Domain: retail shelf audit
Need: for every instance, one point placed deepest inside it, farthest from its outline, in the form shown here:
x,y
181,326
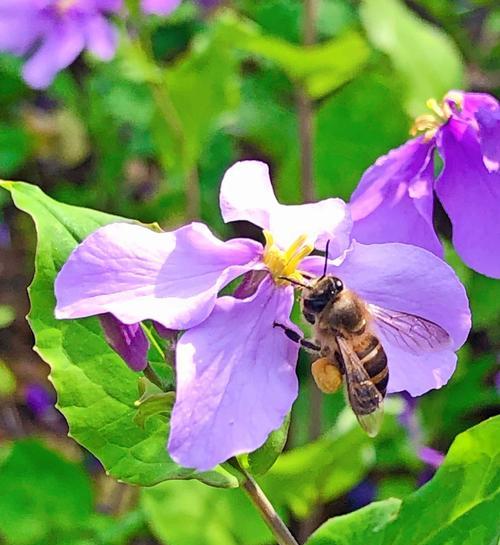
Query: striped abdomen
x,y
372,356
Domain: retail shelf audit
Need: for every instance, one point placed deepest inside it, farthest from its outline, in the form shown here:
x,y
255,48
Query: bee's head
x,y
315,298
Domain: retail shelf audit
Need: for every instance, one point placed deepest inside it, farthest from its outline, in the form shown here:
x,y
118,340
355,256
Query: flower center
x,y
428,124
284,263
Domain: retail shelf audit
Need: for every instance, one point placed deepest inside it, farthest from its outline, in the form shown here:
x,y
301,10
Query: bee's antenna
x,y
293,281
326,259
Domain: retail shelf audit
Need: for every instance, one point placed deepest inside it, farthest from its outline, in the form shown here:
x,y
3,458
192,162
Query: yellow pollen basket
x,y
284,263
428,124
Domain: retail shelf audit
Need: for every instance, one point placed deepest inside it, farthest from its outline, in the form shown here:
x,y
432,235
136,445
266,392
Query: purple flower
x,y
55,32
159,7
394,199
39,400
235,372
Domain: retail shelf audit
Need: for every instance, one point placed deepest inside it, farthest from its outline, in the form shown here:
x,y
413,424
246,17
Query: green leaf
x,y
426,58
153,404
261,460
45,498
15,147
483,291
96,390
7,381
459,506
203,87
321,68
359,527
7,316
187,513
320,471
353,128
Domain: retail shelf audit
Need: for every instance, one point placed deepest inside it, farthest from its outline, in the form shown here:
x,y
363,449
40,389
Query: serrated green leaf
x,y
96,390
459,506
261,460
425,57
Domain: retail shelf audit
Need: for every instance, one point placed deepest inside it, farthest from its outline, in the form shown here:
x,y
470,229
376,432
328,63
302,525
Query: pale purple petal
x,y
408,279
137,274
101,37
60,47
236,379
470,195
159,7
129,341
247,194
394,199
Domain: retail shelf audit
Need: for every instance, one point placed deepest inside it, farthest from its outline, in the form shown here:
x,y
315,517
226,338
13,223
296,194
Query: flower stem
x,y
265,508
305,110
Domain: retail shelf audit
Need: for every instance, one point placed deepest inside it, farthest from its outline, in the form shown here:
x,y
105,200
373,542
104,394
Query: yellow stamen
x,y
284,263
428,124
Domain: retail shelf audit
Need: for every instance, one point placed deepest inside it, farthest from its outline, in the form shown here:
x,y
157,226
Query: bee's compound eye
x,y
339,285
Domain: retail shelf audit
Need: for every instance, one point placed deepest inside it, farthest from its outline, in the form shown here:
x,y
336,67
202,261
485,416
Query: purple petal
x,y
470,195
128,340
101,37
470,104
247,194
138,274
60,47
20,27
394,199
482,113
489,136
431,456
236,379
159,7
110,6
412,280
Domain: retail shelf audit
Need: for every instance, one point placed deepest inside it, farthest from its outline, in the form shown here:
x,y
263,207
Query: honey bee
x,y
346,339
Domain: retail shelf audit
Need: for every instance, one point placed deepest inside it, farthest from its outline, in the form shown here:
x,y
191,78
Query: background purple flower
x,y
159,7
55,32
394,199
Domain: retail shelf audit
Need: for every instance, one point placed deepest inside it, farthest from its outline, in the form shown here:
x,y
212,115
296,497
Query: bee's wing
x,y
366,401
411,333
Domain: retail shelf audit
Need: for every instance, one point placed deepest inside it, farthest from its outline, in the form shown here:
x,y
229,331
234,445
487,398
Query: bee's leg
x,y
296,338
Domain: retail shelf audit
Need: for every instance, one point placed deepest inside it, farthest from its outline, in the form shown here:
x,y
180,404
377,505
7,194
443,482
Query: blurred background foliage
x,y
149,136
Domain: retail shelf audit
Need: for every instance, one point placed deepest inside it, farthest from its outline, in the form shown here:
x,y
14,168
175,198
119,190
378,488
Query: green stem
x,y
265,508
305,111
154,342
173,120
